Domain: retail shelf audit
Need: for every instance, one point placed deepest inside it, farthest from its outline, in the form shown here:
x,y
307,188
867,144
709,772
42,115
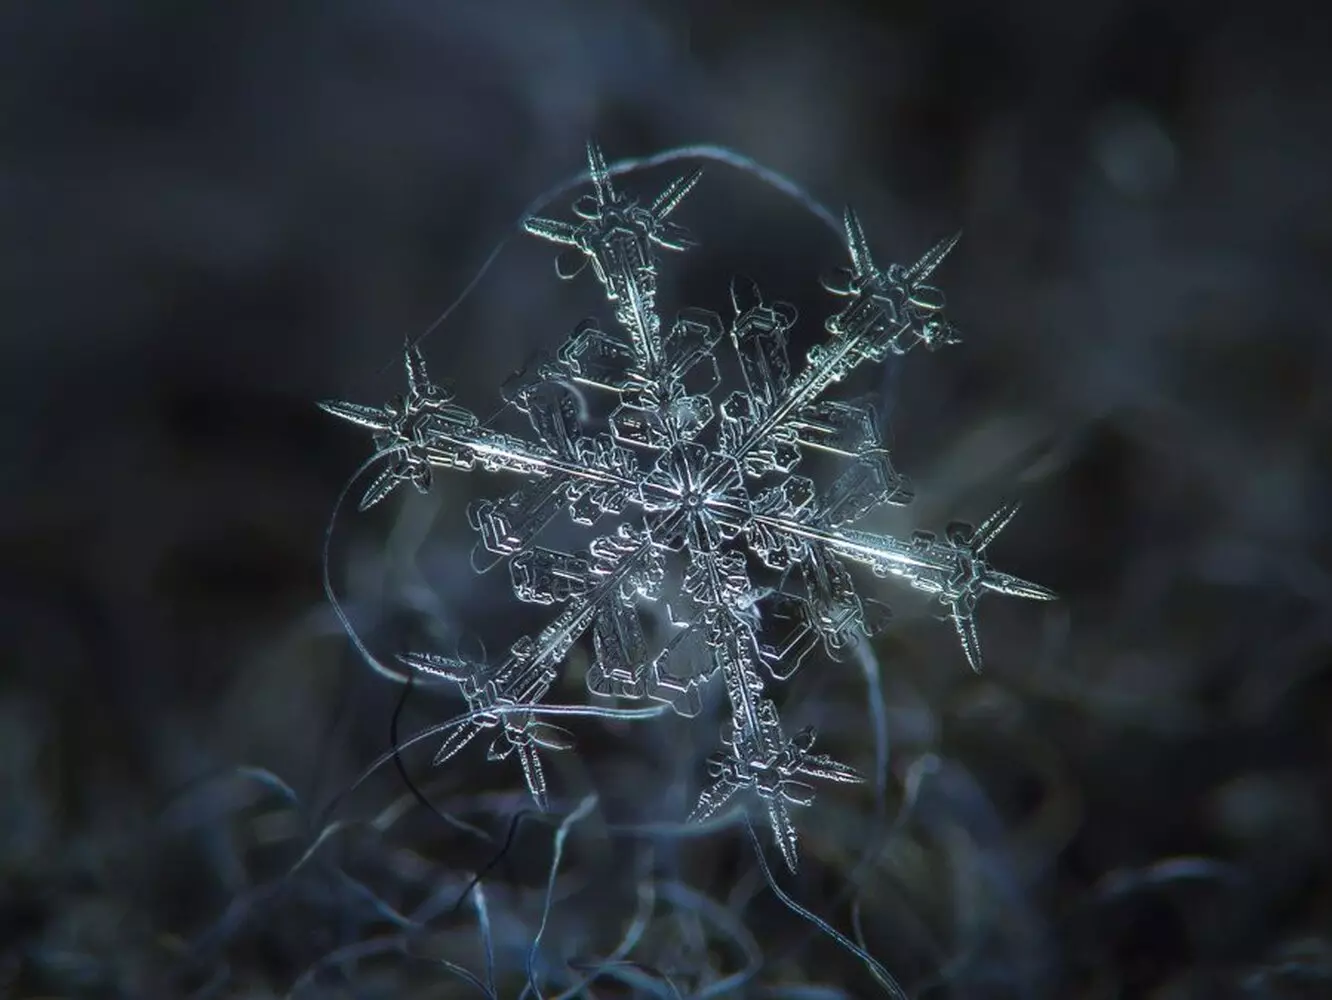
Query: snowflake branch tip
x,y
370,417
676,192
862,262
932,258
600,174
564,233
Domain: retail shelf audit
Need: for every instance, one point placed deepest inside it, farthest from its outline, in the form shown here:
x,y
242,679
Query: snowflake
x,y
714,491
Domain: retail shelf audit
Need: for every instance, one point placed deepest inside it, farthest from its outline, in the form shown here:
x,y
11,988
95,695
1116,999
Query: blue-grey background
x,y
213,215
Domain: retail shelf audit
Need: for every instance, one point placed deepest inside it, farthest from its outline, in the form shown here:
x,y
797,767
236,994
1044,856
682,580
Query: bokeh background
x,y
212,216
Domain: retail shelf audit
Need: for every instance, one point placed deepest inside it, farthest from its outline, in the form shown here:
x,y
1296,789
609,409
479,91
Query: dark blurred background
x,y
212,216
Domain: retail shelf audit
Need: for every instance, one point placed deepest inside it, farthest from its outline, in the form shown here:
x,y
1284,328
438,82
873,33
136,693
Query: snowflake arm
x,y
397,427
424,429
771,766
617,235
890,311
756,755
951,568
621,563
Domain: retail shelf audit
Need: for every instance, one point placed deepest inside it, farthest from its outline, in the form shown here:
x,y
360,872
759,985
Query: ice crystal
x,y
709,496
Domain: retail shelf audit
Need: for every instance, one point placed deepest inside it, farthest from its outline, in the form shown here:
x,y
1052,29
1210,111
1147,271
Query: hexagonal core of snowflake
x,y
693,497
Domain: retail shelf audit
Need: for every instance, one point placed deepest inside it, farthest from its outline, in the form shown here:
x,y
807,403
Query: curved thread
x,y
702,151
561,834
331,595
420,796
532,708
881,975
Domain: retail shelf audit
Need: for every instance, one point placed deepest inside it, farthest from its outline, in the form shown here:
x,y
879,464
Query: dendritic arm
x,y
424,429
756,755
617,236
953,568
891,311
617,567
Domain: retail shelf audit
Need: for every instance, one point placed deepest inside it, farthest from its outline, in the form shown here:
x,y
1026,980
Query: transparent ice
x,y
710,486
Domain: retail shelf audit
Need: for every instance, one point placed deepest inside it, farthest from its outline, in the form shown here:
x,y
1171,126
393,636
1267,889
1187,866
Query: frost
x,y
697,496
